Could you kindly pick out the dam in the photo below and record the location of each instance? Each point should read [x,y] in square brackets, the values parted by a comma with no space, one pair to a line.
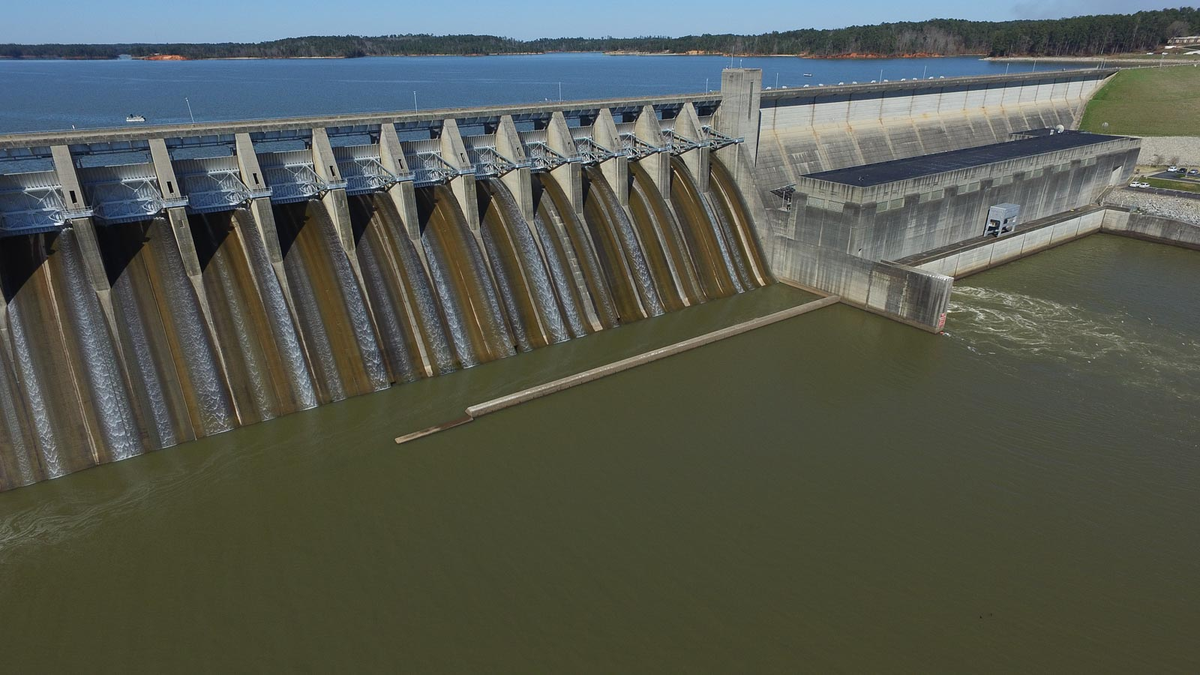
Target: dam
[166,284]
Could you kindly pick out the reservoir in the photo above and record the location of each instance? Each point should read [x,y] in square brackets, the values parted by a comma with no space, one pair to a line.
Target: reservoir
[835,493]
[88,94]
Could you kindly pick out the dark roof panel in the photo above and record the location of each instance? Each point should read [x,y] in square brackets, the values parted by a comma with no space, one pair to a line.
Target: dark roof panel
[870,175]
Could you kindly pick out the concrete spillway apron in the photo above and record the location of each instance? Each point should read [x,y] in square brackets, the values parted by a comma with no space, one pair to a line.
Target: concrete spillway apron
[498,404]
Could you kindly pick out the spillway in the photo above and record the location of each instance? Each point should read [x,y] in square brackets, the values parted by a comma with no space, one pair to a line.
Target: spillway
[200,295]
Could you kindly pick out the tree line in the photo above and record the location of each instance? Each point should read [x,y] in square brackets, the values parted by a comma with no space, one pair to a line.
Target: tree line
[1074,36]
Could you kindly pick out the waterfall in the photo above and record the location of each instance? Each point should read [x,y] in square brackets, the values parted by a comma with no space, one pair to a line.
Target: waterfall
[675,272]
[312,324]
[282,330]
[39,408]
[620,253]
[733,205]
[519,268]
[707,248]
[355,306]
[392,330]
[16,448]
[562,283]
[462,281]
[575,244]
[215,407]
[149,387]
[433,328]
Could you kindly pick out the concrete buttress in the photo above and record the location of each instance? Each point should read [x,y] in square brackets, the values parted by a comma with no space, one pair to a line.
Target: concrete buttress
[403,196]
[657,165]
[264,225]
[338,209]
[168,185]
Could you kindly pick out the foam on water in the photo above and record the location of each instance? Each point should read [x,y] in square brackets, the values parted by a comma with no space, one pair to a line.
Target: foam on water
[994,322]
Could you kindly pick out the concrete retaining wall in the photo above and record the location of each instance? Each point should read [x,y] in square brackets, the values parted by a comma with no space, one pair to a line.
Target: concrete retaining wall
[989,253]
[1152,228]
[912,296]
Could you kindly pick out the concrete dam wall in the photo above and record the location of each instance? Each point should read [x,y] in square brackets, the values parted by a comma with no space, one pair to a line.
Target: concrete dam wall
[925,159]
[164,286]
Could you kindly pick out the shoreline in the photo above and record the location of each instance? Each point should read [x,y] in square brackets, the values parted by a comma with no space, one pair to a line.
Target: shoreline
[1125,59]
[853,56]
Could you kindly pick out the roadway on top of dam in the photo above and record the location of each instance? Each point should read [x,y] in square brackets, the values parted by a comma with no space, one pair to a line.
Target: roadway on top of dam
[489,113]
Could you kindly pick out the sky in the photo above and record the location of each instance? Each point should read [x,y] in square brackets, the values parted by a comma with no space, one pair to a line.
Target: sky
[40,21]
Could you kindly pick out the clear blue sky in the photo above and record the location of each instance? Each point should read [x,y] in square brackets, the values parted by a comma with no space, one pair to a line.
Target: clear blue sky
[37,21]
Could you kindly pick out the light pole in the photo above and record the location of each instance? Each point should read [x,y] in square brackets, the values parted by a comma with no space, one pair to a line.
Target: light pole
[560,92]
[189,105]
[414,100]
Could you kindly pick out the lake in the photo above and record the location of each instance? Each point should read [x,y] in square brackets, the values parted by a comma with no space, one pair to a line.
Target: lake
[53,95]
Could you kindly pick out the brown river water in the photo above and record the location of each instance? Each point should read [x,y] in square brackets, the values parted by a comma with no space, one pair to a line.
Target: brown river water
[834,493]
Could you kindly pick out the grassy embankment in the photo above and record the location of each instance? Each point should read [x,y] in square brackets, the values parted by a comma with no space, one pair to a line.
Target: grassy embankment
[1173,184]
[1147,102]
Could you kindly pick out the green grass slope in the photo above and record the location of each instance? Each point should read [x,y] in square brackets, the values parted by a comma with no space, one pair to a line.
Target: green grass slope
[1147,102]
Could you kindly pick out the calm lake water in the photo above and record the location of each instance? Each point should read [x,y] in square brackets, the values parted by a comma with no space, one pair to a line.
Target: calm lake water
[46,95]
[834,493]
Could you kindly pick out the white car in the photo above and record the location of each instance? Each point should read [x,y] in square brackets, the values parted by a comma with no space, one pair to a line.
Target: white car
[1135,184]
[1172,168]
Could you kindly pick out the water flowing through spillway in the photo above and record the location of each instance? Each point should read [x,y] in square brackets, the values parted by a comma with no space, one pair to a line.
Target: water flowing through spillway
[620,252]
[66,368]
[709,250]
[516,258]
[333,316]
[571,239]
[264,365]
[463,282]
[399,264]
[733,218]
[675,273]
[159,320]
[148,339]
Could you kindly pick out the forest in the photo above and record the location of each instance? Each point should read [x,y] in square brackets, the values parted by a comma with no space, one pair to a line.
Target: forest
[1075,36]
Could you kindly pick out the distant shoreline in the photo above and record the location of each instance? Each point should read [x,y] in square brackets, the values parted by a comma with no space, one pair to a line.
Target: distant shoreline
[168,58]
